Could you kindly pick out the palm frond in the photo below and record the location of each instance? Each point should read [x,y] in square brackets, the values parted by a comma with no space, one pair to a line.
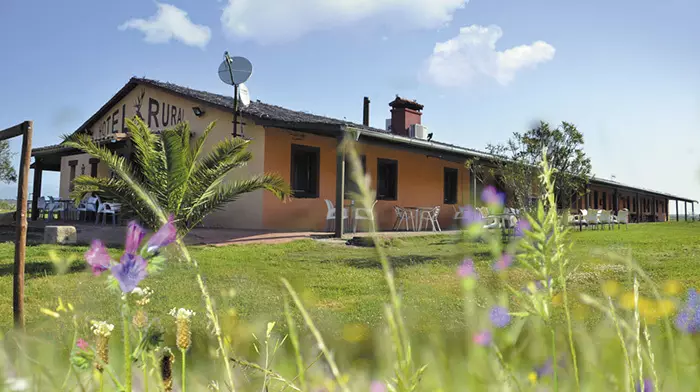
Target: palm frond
[115,189]
[226,193]
[121,169]
[147,157]
[175,151]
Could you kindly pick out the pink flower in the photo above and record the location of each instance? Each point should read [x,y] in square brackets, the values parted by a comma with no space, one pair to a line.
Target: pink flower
[377,386]
[166,235]
[98,258]
[466,270]
[492,196]
[134,235]
[503,263]
[482,338]
[82,344]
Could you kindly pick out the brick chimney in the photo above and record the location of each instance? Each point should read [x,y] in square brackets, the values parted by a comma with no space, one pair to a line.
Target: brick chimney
[404,113]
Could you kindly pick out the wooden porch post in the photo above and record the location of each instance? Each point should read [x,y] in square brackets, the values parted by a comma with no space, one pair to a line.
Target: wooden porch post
[339,189]
[653,211]
[678,212]
[36,189]
[692,210]
[685,207]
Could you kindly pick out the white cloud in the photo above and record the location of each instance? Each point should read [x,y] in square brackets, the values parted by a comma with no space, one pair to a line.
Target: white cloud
[472,54]
[169,23]
[267,21]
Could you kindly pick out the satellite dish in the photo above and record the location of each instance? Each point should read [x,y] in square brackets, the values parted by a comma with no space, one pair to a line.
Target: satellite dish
[235,71]
[244,95]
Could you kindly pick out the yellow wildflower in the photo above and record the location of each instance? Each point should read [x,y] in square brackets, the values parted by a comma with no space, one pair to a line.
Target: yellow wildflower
[672,287]
[611,288]
[532,377]
[627,301]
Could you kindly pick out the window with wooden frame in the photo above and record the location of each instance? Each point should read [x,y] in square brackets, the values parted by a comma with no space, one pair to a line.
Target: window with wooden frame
[305,171]
[451,181]
[387,179]
[71,177]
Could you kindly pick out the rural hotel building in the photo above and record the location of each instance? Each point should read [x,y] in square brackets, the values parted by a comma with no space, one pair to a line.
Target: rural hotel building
[407,168]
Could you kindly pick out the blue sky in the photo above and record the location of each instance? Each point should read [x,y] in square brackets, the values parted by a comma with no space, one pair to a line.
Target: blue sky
[627,73]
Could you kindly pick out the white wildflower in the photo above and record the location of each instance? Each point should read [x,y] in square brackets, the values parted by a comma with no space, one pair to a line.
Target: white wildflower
[17,384]
[182,313]
[102,328]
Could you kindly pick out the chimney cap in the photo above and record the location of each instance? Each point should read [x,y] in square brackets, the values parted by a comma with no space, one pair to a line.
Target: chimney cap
[405,103]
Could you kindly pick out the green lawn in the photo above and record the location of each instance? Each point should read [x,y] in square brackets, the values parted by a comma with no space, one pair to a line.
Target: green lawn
[340,284]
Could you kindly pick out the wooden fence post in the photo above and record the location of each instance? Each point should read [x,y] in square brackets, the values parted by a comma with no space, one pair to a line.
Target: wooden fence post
[21,235]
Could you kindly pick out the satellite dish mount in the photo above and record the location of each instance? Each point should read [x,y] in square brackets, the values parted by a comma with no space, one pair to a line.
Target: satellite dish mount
[234,71]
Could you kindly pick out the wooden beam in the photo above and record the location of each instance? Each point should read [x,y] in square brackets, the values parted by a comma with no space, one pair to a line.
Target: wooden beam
[678,212]
[21,237]
[11,132]
[36,189]
[339,189]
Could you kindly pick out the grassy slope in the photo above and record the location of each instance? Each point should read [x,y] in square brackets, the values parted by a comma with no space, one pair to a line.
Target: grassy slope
[341,284]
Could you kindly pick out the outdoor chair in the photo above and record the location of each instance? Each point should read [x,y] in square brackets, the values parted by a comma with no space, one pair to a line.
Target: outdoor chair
[55,207]
[605,218]
[623,218]
[88,204]
[490,222]
[330,214]
[362,214]
[459,212]
[105,209]
[591,218]
[430,216]
[41,206]
[402,215]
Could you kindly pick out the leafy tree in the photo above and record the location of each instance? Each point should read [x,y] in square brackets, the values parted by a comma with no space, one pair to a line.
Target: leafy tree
[7,170]
[170,173]
[518,160]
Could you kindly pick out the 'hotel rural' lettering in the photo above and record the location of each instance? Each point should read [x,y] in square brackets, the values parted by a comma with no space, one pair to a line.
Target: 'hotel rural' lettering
[169,114]
[159,115]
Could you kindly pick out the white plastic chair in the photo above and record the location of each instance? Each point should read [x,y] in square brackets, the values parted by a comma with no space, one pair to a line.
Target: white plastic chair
[402,215]
[88,205]
[108,209]
[605,218]
[330,214]
[591,218]
[623,218]
[459,212]
[55,207]
[41,206]
[362,214]
[430,216]
[490,221]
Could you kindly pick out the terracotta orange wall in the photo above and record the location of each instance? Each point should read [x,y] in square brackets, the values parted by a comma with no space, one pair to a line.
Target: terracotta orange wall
[420,182]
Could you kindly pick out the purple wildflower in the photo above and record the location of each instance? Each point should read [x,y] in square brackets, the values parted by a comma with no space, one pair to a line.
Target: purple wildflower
[688,318]
[130,271]
[134,235]
[98,258]
[647,386]
[471,216]
[163,237]
[82,344]
[466,270]
[482,338]
[521,227]
[503,263]
[499,316]
[377,386]
[546,369]
[492,196]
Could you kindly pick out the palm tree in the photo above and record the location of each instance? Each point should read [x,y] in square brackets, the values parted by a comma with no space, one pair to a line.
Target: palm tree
[169,174]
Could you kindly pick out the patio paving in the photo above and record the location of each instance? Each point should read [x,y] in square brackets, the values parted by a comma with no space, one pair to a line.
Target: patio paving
[114,235]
